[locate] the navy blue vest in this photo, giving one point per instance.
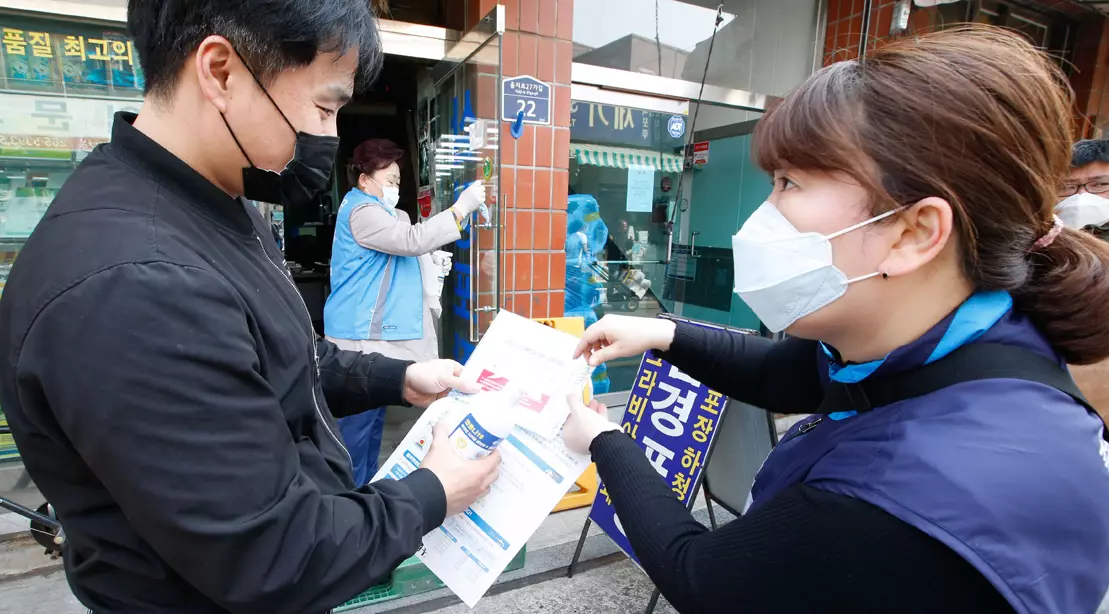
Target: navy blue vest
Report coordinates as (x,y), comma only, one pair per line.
(1012,475)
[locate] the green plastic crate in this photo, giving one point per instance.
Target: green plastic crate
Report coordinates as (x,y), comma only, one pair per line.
(412,578)
(7,444)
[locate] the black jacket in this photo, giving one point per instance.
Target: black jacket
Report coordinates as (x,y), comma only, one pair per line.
(169,397)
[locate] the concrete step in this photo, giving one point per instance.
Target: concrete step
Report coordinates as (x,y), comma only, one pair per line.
(549,554)
(21,557)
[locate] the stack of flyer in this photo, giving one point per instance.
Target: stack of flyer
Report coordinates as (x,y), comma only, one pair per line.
(472,549)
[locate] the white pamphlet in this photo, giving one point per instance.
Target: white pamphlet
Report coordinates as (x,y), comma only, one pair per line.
(472,549)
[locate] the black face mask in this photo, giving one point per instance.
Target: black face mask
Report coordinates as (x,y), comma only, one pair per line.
(303,179)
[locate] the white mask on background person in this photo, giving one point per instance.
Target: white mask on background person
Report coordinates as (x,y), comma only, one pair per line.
(390,195)
(1083,210)
(784,274)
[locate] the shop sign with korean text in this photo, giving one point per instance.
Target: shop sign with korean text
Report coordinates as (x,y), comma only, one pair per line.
(39,55)
(605,124)
(673,419)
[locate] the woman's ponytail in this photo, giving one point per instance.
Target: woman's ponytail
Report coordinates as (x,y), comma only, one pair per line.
(1067,295)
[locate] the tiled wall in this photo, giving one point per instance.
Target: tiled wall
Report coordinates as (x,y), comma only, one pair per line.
(1090,69)
(534,175)
(845,25)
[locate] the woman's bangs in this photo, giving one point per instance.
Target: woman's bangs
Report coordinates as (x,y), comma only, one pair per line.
(816,127)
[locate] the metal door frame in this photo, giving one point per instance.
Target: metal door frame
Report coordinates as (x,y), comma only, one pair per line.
(474,47)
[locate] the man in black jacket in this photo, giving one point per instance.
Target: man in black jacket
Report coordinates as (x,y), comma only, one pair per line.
(160,372)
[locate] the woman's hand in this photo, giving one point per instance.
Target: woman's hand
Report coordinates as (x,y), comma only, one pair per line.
(585,424)
(623,336)
(471,200)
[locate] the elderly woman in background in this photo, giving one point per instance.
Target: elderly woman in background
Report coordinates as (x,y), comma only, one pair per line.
(377,301)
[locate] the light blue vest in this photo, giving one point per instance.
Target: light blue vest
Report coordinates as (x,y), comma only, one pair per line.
(374,295)
(1011,475)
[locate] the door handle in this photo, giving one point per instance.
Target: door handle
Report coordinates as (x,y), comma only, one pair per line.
(693,244)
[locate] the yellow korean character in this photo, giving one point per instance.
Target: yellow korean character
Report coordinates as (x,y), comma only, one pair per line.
(647,382)
(604,492)
(14,42)
(702,429)
(40,44)
(631,429)
(691,460)
(681,486)
(656,361)
(98,49)
(74,46)
(711,404)
(122,51)
(636,405)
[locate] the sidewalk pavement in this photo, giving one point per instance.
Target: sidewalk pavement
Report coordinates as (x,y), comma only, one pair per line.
(614,588)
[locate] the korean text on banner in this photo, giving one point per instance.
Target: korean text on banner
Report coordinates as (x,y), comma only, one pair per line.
(471,550)
(673,418)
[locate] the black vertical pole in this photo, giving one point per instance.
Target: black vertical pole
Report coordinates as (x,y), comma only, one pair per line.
(581,544)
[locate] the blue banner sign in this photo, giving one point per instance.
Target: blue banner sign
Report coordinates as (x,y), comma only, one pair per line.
(673,418)
(526,98)
(606,124)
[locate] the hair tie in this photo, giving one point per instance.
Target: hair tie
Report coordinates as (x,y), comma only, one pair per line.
(1049,238)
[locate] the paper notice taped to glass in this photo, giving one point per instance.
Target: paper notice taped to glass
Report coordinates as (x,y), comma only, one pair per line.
(472,549)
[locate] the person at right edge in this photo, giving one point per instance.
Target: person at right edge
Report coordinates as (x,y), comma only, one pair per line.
(161,375)
(911,215)
(1084,205)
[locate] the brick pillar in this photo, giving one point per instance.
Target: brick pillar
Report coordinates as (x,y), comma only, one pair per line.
(845,25)
(534,175)
(1089,74)
(1090,77)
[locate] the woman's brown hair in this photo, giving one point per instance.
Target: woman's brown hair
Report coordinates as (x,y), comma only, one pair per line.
(980,118)
(371,156)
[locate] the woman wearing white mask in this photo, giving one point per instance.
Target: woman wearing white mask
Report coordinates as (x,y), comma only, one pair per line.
(377,301)
(910,230)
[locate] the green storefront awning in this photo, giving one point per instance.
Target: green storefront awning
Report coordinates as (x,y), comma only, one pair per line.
(619,157)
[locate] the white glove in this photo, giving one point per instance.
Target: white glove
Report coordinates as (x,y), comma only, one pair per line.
(471,200)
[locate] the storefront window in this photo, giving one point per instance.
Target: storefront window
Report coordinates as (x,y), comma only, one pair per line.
(61,83)
(763,46)
(624,177)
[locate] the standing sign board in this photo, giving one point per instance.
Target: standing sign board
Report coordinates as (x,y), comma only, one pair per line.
(673,418)
(526,95)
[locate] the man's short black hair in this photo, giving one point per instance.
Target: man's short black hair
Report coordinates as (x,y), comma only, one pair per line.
(1089,151)
(270,35)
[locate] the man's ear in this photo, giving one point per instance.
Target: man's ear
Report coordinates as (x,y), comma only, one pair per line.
(214,61)
(924,229)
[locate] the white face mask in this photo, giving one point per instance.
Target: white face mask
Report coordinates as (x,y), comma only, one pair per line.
(784,274)
(390,195)
(1082,210)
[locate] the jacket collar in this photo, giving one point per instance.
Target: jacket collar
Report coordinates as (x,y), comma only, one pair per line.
(985,317)
(357,197)
(170,172)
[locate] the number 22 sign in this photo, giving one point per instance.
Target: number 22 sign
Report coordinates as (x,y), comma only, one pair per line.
(526,98)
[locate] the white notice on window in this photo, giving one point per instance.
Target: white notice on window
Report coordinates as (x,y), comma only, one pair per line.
(641,188)
(472,549)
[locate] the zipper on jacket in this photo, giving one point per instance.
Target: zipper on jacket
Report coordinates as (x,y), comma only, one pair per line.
(312,347)
(803,429)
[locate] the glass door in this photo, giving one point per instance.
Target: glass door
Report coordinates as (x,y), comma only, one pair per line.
(459,145)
